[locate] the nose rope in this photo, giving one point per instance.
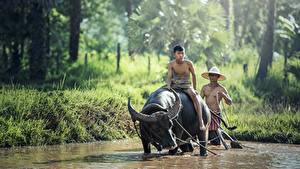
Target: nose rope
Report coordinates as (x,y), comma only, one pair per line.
(147,134)
(194,139)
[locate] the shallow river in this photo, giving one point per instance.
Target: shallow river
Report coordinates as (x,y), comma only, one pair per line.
(129,154)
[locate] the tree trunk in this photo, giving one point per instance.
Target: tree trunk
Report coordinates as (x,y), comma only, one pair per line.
(5,58)
(75,19)
(226,6)
(286,54)
(236,12)
(266,54)
(129,8)
(15,60)
(245,26)
(48,36)
(37,52)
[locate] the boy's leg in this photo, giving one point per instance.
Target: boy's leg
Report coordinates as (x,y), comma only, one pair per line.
(197,106)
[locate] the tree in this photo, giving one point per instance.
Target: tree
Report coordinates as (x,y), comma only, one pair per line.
(226,5)
(127,7)
(37,48)
(23,39)
(13,34)
(249,20)
(75,19)
(199,26)
(288,37)
(266,54)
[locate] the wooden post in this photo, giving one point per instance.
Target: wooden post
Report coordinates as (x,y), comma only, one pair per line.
(118,56)
(245,68)
(86,59)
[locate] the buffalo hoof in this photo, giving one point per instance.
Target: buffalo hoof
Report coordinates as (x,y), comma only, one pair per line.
(147,155)
(174,151)
(203,154)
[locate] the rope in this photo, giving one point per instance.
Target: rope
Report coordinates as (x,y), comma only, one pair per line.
(194,139)
(184,141)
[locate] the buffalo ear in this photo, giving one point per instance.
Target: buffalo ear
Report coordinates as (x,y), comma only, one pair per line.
(153,107)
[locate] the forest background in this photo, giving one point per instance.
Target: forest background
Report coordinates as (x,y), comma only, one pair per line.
(67,67)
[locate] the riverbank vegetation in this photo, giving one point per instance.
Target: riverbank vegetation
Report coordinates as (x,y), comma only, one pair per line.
(96,108)
(67,68)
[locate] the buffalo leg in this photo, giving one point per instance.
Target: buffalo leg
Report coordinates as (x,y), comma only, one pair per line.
(146,146)
(203,137)
(187,147)
(145,141)
(157,146)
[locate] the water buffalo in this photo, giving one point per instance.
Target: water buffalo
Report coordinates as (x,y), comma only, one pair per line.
(159,120)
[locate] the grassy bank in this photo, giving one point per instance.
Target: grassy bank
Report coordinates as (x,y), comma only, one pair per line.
(89,103)
(265,124)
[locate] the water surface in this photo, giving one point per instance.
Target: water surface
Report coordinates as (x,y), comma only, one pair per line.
(129,154)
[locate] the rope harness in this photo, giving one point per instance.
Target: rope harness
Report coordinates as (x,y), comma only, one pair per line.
(183,141)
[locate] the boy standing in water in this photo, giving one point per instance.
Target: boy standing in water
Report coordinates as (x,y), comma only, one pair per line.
(213,94)
(179,71)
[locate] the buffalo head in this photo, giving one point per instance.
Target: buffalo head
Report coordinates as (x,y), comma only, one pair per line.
(157,121)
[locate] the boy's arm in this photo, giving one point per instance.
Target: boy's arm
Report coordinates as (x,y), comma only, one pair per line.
(225,95)
(169,76)
(192,70)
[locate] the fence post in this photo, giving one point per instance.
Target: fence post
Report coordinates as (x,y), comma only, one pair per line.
(118,56)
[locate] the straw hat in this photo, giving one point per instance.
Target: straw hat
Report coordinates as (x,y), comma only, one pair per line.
(213,70)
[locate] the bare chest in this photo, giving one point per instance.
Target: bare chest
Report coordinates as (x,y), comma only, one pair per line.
(211,92)
(181,69)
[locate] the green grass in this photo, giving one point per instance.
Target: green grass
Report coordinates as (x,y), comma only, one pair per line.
(86,104)
(266,124)
(89,103)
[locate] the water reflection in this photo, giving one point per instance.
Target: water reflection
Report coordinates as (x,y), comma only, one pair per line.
(128,154)
(114,157)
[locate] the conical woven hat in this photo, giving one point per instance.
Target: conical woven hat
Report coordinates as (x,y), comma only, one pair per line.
(213,70)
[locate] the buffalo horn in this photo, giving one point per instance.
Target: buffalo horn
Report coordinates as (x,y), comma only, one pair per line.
(175,109)
(139,116)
